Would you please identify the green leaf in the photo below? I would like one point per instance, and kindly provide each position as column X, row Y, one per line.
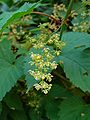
column 74, row 108
column 30, row 81
column 0, row 108
column 7, row 2
column 78, row 7
column 4, row 113
column 76, row 58
column 34, row 115
column 10, row 71
column 52, row 108
column 53, row 100
column 58, row 91
column 7, row 17
column 18, row 115
column 13, row 101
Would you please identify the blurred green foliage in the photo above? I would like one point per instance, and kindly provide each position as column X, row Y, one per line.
column 21, row 35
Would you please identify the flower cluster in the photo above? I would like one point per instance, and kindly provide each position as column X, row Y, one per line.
column 44, row 64
column 43, row 57
column 73, row 14
column 43, row 61
column 45, row 38
column 47, row 47
column 59, row 10
column 82, row 25
column 54, row 39
column 45, row 87
column 86, row 2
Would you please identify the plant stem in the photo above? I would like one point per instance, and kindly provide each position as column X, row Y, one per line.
column 67, row 14
column 49, row 16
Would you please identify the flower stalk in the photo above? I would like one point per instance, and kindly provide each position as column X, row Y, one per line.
column 66, row 17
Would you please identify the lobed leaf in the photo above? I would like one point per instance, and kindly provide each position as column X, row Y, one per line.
column 74, row 108
column 10, row 70
column 53, row 100
column 13, row 101
column 76, row 58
